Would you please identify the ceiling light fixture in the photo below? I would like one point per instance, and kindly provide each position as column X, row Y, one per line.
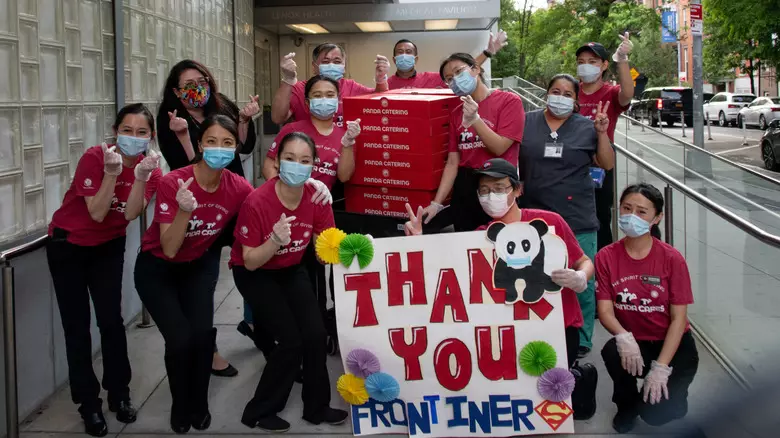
column 441, row 24
column 308, row 28
column 374, row 26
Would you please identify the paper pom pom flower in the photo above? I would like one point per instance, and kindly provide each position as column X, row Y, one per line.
column 356, row 245
column 327, row 245
column 352, row 389
column 382, row 387
column 555, row 385
column 537, row 357
column 362, row 363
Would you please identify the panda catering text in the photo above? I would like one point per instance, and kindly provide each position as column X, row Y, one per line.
column 386, row 112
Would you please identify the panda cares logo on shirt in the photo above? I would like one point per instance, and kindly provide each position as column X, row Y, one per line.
column 628, row 301
column 87, row 183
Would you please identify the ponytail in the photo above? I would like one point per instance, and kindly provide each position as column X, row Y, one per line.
column 655, row 231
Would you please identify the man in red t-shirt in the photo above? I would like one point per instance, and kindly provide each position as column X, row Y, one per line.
column 592, row 62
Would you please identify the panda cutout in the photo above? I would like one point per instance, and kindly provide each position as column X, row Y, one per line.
column 526, row 256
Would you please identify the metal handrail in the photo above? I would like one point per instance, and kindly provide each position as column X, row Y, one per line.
column 24, row 248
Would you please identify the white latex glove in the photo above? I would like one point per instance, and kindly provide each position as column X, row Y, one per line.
column 250, row 110
column 112, row 161
column 470, row 108
column 353, row 130
column 431, row 211
column 497, row 42
column 413, row 227
column 382, row 67
column 630, row 354
column 185, row 197
column 282, row 231
column 571, row 279
column 143, row 170
column 625, row 47
column 289, row 69
column 322, row 195
column 177, row 125
column 656, row 382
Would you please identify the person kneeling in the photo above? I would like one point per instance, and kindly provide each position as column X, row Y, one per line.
column 275, row 225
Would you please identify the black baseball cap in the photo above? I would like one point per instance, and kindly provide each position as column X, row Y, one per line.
column 499, row 168
column 596, row 48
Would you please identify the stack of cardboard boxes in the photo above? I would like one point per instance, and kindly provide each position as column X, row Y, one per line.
column 401, row 151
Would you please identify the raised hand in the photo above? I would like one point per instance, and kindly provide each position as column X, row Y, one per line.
column 470, row 108
column 621, row 54
column 289, row 69
column 251, row 109
column 177, row 124
column 143, row 170
column 184, row 196
column 112, row 161
column 282, row 233
column 413, row 227
column 353, row 130
column 602, row 119
column 382, row 67
column 497, row 42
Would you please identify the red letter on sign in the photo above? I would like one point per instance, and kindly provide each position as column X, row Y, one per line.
column 504, row 367
column 441, row 363
column 410, row 353
column 397, row 279
column 363, row 284
column 522, row 310
column 448, row 294
column 481, row 275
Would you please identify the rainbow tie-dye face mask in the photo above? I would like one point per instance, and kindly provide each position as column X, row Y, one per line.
column 194, row 95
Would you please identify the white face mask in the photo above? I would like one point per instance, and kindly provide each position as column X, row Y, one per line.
column 588, row 73
column 560, row 106
column 495, row 205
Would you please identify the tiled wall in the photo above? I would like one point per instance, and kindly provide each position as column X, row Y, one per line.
column 57, row 83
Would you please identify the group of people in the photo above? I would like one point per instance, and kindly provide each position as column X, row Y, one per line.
column 503, row 165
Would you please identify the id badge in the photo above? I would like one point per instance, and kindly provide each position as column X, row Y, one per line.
column 553, row 150
column 597, row 174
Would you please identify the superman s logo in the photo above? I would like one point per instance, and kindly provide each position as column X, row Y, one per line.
column 554, row 414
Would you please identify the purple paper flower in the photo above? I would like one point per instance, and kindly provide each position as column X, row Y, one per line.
column 362, row 363
column 556, row 384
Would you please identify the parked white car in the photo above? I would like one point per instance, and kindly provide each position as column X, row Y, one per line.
column 760, row 112
column 724, row 107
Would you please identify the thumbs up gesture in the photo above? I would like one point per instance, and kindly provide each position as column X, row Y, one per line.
column 282, row 233
column 112, row 161
column 177, row 124
column 250, row 110
column 289, row 69
column 353, row 130
column 184, row 196
column 143, row 171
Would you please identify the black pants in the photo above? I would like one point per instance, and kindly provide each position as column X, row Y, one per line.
column 467, row 213
column 604, row 201
column 286, row 307
column 79, row 272
column 625, row 394
column 572, row 344
column 180, row 299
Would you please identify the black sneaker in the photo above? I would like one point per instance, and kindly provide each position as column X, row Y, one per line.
column 583, row 399
column 582, row 352
column 624, row 421
column 95, row 424
column 271, row 423
column 201, row 421
column 125, row 412
column 331, row 416
column 229, row 371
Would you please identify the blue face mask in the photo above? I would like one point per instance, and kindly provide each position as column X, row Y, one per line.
column 463, row 84
column 517, row 261
column 633, row 226
column 294, row 174
column 132, row 146
column 404, row 62
column 218, row 158
column 333, row 71
column 323, row 108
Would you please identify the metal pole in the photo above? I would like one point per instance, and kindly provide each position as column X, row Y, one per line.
column 9, row 343
column 707, row 122
column 679, row 61
column 744, row 133
column 668, row 215
column 698, row 89
column 146, row 319
column 682, row 122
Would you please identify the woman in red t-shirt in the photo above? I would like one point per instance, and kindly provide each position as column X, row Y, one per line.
column 643, row 294
column 86, row 255
column 176, row 274
column 488, row 124
column 275, row 226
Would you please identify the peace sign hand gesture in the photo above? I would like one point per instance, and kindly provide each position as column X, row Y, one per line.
column 177, row 124
column 184, row 196
column 602, row 119
column 413, row 227
column 251, row 109
column 621, row 55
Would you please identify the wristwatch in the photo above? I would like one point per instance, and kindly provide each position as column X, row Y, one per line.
column 486, row 53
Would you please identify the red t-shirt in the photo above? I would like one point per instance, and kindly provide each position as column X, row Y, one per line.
column 213, row 213
column 643, row 290
column 421, row 79
column 503, row 112
column 263, row 209
column 347, row 88
column 328, row 148
column 589, row 103
column 572, row 313
column 73, row 216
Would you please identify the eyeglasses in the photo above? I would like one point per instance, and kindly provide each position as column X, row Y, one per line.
column 203, row 82
column 463, row 68
column 498, row 190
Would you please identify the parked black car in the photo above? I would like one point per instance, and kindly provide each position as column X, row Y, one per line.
column 664, row 104
column 770, row 146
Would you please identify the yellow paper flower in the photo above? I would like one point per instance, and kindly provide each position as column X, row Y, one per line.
column 352, row 389
column 327, row 245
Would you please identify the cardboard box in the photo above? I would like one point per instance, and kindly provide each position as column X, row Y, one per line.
column 383, row 176
column 385, row 201
column 375, row 127
column 430, row 162
column 421, row 106
column 423, row 91
column 396, row 142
